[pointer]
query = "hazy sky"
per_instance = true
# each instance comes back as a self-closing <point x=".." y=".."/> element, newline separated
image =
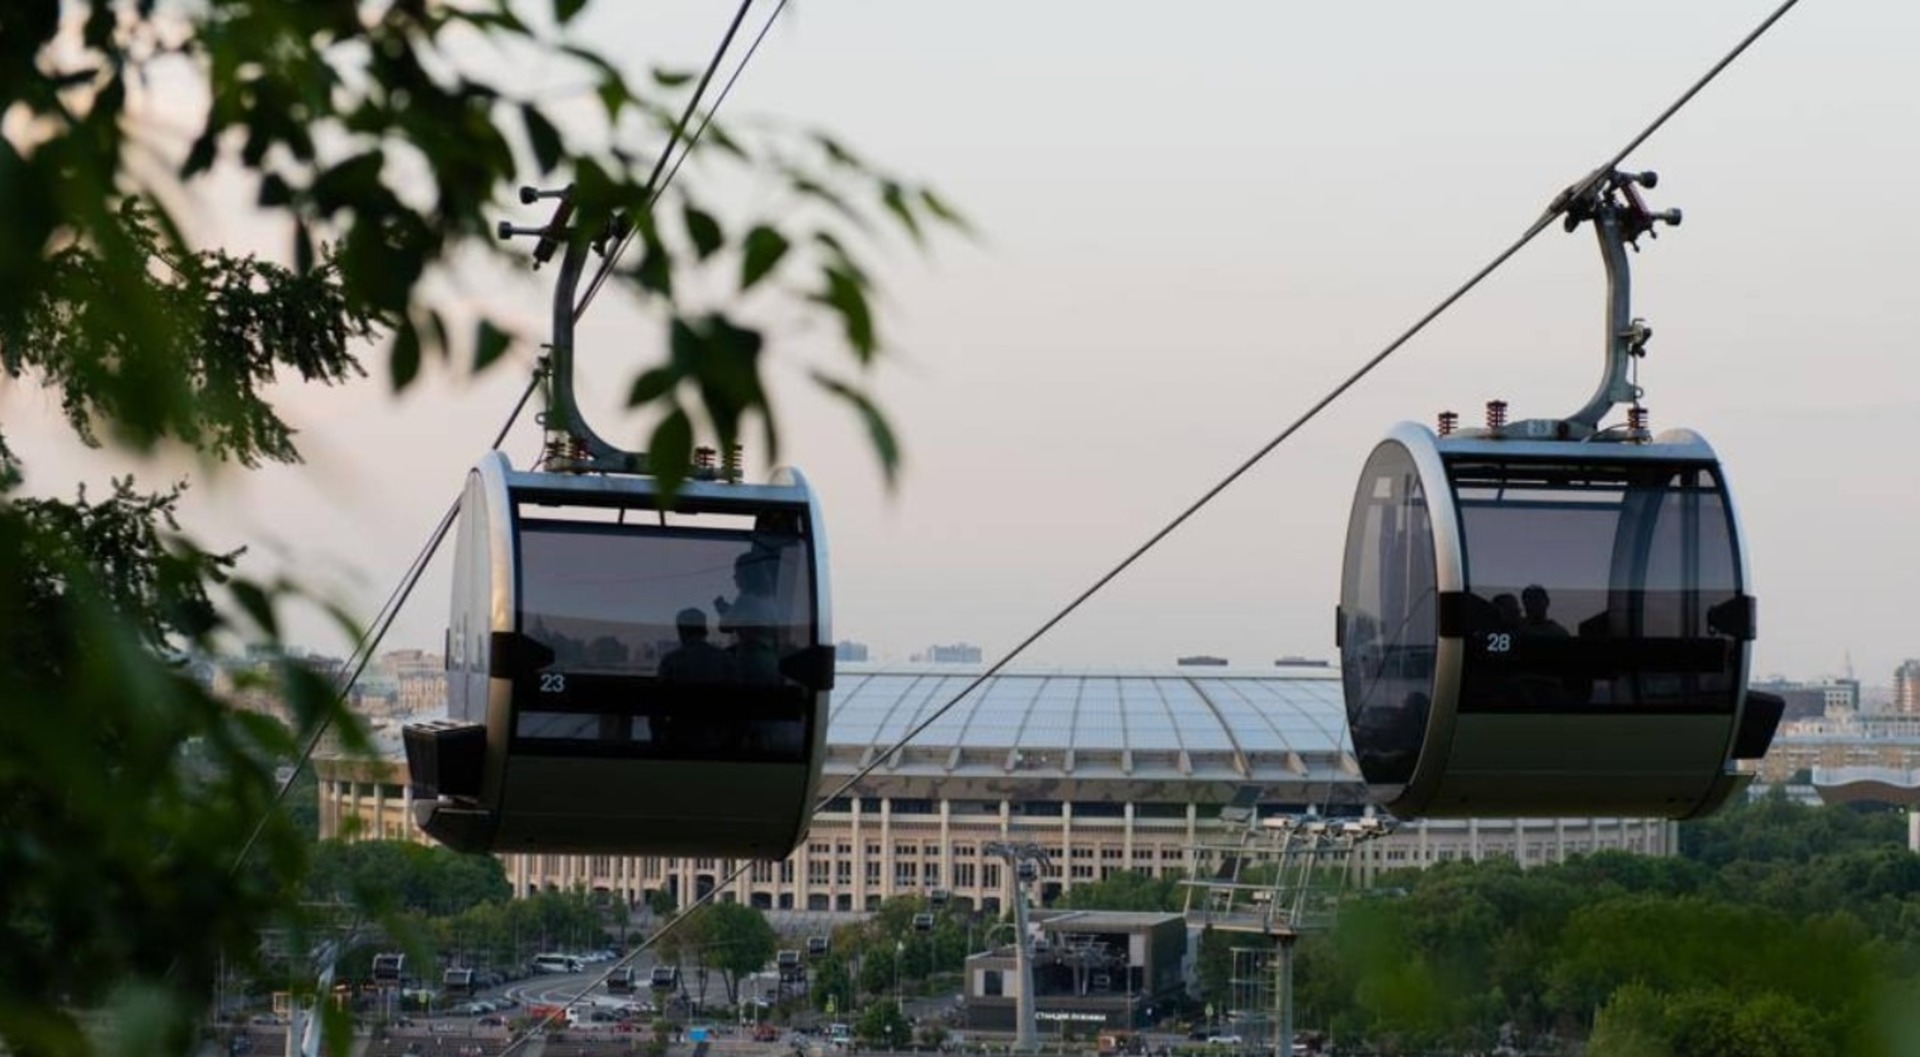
<point x="1195" y="219"/>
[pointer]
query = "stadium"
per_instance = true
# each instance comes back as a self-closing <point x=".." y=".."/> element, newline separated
<point x="1105" y="770"/>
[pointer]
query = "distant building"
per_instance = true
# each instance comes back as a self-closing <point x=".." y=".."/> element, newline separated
<point x="1107" y="771"/>
<point x="855" y="652"/>
<point x="1091" y="969"/>
<point x="1202" y="660"/>
<point x="1906" y="688"/>
<point x="1836" y="700"/>
<point x="958" y="653"/>
<point x="1293" y="660"/>
<point x="420" y="679"/>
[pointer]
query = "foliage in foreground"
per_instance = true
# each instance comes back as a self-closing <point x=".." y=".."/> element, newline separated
<point x="141" y="840"/>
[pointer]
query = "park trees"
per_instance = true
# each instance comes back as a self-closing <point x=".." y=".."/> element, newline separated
<point x="1796" y="935"/>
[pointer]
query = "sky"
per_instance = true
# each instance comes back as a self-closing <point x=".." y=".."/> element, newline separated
<point x="1193" y="220"/>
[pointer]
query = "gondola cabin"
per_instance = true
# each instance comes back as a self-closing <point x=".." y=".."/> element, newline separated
<point x="389" y="970"/>
<point x="457" y="983"/>
<point x="923" y="923"/>
<point x="1541" y="627"/>
<point x="664" y="977"/>
<point x="620" y="980"/>
<point x="623" y="680"/>
<point x="817" y="946"/>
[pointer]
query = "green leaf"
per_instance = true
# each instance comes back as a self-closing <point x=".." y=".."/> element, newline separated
<point x="257" y="605"/>
<point x="764" y="249"/>
<point x="614" y="96"/>
<point x="655" y="271"/>
<point x="200" y="155"/>
<point x="274" y="191"/>
<point x="704" y="230"/>
<point x="838" y="153"/>
<point x="489" y="344"/>
<point x="652" y="385"/>
<point x="685" y="347"/>
<point x="886" y="445"/>
<point x="670" y="452"/>
<point x="564" y="11"/>
<point x="940" y="208"/>
<point x="544" y="138"/>
<point x="727" y="369"/>
<point x="404" y="361"/>
<point x="804" y="184"/>
<point x="671" y="78"/>
<point x="846" y="295"/>
<point x="894" y="197"/>
<point x="351" y="183"/>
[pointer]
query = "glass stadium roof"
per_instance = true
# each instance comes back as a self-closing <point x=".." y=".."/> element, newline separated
<point x="1252" y="712"/>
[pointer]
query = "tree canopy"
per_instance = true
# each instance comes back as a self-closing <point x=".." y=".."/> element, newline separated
<point x="1781" y="929"/>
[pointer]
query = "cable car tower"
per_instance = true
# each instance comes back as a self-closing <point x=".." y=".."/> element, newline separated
<point x="630" y="671"/>
<point x="1273" y="880"/>
<point x="1551" y="616"/>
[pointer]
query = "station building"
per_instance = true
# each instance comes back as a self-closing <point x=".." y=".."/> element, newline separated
<point x="1091" y="969"/>
<point x="1106" y="770"/>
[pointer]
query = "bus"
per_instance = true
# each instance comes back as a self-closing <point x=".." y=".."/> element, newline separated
<point x="556" y="963"/>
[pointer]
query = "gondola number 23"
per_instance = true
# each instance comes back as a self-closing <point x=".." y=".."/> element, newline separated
<point x="553" y="682"/>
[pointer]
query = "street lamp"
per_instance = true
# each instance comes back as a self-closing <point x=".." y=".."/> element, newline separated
<point x="899" y="951"/>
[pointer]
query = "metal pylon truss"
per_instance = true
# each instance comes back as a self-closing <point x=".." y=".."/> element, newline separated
<point x="1277" y="876"/>
<point x="1255" y="990"/>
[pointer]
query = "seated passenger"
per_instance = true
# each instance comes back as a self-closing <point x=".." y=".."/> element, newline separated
<point x="752" y="618"/>
<point x="1534" y="620"/>
<point x="695" y="660"/>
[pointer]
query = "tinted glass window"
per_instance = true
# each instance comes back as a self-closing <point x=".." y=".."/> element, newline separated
<point x="1387" y="610"/>
<point x="663" y="641"/>
<point x="1598" y="586"/>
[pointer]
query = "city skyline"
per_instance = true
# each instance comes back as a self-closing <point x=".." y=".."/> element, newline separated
<point x="1190" y="228"/>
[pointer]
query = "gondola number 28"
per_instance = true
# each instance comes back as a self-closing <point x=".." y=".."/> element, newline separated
<point x="1499" y="642"/>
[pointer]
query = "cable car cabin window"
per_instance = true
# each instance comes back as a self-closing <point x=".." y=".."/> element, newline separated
<point x="660" y="641"/>
<point x="1387" y="617"/>
<point x="1593" y="588"/>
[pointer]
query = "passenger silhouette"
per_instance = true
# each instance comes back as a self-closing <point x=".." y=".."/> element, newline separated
<point x="1534" y="619"/>
<point x="1555" y="679"/>
<point x="1506" y="610"/>
<point x="695" y="660"/>
<point x="752" y="618"/>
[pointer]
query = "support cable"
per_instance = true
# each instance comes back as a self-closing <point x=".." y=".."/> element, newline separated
<point x="377" y="631"/>
<point x="1553" y="211"/>
<point x="656" y="186"/>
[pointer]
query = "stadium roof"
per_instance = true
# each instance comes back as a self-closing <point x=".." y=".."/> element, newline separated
<point x="1178" y="724"/>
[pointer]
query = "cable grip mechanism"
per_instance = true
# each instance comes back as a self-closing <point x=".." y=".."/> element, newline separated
<point x="571" y="446"/>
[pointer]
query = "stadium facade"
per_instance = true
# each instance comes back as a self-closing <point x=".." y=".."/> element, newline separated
<point x="1106" y="770"/>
